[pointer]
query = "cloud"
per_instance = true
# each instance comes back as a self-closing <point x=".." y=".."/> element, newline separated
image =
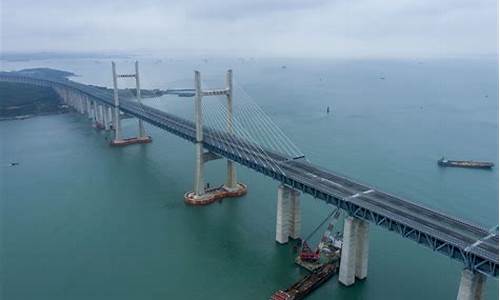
<point x="321" y="28"/>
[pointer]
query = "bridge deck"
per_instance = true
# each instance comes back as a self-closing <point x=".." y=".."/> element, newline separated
<point x="461" y="233"/>
<point x="440" y="232"/>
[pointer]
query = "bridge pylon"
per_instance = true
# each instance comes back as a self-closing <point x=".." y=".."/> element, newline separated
<point x="203" y="195"/>
<point x="118" y="140"/>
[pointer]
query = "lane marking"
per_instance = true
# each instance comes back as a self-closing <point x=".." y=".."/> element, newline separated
<point x="493" y="232"/>
<point x="360" y="194"/>
<point x="330" y="182"/>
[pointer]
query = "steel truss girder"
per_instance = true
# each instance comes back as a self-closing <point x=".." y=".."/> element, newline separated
<point x="470" y="260"/>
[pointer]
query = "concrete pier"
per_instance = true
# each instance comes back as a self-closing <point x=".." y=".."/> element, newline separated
<point x="89" y="108"/>
<point x="78" y="103"/>
<point x="354" y="257"/>
<point x="295" y="219"/>
<point x="105" y="117"/>
<point x="287" y="214"/>
<point x="82" y="104"/>
<point x="471" y="286"/>
<point x="109" y="112"/>
<point x="95" y="114"/>
<point x="283" y="215"/>
<point x="362" y="250"/>
<point x="100" y="117"/>
<point x="347" y="270"/>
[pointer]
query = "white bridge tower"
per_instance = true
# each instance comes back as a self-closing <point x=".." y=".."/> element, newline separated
<point x="142" y="138"/>
<point x="201" y="194"/>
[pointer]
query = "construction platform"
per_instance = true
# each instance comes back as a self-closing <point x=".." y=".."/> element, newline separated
<point x="321" y="270"/>
<point x="326" y="258"/>
<point x="130" y="141"/>
<point x="214" y="194"/>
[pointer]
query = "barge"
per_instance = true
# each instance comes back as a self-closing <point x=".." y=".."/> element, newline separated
<point x="306" y="285"/>
<point x="322" y="264"/>
<point x="130" y="141"/>
<point x="215" y="194"/>
<point x="465" y="164"/>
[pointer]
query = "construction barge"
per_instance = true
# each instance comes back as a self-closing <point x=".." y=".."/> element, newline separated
<point x="214" y="194"/>
<point x="322" y="263"/>
<point x="130" y="141"/>
<point x="306" y="285"/>
<point x="465" y="164"/>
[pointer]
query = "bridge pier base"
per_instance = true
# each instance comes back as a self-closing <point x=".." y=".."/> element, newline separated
<point x="354" y="257"/>
<point x="471" y="285"/>
<point x="287" y="214"/>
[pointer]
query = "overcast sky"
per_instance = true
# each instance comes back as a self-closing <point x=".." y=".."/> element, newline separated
<point x="286" y="28"/>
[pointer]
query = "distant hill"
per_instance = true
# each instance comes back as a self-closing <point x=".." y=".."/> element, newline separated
<point x="45" y="73"/>
<point x="22" y="56"/>
<point x="17" y="99"/>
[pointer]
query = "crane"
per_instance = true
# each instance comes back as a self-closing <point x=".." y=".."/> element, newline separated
<point x="306" y="253"/>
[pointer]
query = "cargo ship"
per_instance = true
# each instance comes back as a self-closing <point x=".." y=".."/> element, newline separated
<point x="465" y="164"/>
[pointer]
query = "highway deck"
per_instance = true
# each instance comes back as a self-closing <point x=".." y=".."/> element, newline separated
<point x="448" y="235"/>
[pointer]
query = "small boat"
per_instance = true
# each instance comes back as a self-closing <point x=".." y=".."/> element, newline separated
<point x="465" y="164"/>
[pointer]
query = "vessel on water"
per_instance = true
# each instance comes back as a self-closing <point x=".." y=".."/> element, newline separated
<point x="465" y="164"/>
<point x="306" y="285"/>
<point x="323" y="263"/>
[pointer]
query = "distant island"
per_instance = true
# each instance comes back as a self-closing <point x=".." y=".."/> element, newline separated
<point x="22" y="56"/>
<point x="45" y="73"/>
<point x="20" y="101"/>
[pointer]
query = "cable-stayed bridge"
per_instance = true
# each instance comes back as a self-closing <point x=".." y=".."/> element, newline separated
<point x="228" y="133"/>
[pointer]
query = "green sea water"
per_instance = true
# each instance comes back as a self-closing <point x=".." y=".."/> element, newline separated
<point x="81" y="220"/>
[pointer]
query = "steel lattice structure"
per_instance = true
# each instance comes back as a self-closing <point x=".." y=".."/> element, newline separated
<point x="448" y="235"/>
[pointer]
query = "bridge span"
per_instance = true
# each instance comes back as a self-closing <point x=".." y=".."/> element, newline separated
<point x="473" y="245"/>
